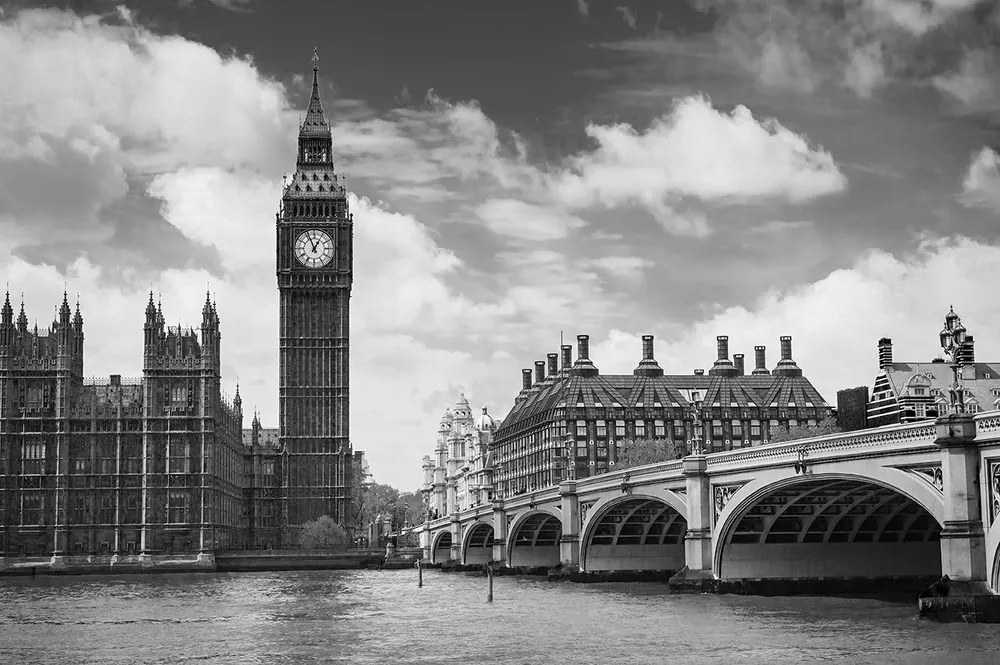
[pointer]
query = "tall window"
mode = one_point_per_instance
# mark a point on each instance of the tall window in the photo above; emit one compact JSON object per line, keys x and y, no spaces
{"x":679,"y":430}
{"x":179,"y":459}
{"x":716,"y":429}
{"x":31,"y":508}
{"x":581,"y":428}
{"x":177,"y":507}
{"x":755,"y":429}
{"x":602,"y":428}
{"x":640,"y":429}
{"x":659,"y":429}
{"x":619,"y":429}
{"x":737,"y":429}
{"x":33,"y":458}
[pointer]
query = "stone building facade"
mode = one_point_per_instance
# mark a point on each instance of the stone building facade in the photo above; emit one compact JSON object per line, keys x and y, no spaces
{"x":145,"y":466}
{"x":571,"y":421}
{"x":905,"y":392}
{"x":460,"y":474}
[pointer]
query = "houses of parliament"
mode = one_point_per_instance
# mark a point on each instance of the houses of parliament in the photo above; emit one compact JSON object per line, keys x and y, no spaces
{"x":161,"y":465}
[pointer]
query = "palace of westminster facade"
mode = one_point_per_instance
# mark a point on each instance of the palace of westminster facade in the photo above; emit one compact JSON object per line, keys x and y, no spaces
{"x":161,"y":465}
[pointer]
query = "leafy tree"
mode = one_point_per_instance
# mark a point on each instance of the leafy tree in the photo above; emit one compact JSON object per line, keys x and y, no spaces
{"x":322,"y":533}
{"x":826,"y":426}
{"x":647,"y":451}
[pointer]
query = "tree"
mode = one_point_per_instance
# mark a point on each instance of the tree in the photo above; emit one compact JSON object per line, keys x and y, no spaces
{"x":322,"y":533}
{"x":647,"y":451}
{"x":826,"y":426}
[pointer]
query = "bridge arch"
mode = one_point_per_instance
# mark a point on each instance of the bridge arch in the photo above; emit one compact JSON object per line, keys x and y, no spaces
{"x":880,"y":523}
{"x":441,"y":547}
{"x":634,"y":532}
{"x":477,"y":546}
{"x":533,"y":539}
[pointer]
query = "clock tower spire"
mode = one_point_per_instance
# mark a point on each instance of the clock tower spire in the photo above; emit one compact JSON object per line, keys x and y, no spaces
{"x":315,"y":273}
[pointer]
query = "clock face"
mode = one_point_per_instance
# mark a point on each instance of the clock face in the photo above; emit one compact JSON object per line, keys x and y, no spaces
{"x":314,"y":248}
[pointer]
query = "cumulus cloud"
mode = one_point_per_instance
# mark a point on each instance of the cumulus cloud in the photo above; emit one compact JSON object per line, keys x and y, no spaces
{"x":981,"y":186}
{"x":835,"y":322}
{"x":629,"y":268}
{"x":697,"y":152}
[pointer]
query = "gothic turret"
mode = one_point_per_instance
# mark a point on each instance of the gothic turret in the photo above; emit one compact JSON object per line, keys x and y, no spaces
{"x":22,"y":320}
{"x":6,"y":323}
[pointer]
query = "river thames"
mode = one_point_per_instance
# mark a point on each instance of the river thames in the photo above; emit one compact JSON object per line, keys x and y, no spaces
{"x":382,"y":617}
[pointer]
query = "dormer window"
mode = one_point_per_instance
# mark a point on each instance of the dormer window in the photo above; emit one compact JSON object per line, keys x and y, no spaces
{"x":305,"y":177}
{"x":315,"y":177}
{"x":918,"y":391}
{"x":308,"y":188}
{"x":326,"y":177}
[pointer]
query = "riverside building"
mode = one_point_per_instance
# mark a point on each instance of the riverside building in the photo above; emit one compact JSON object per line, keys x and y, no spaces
{"x":570,"y":421}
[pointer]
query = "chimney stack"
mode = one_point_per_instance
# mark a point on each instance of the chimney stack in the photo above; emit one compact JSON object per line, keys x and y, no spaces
{"x":539,"y":371}
{"x":786,"y":366}
{"x":567,"y":358}
{"x":761,"y":360}
{"x":648,"y":365}
{"x":968,"y":352}
{"x":583,"y":366}
{"x":525,"y":379}
{"x":722,"y":345}
{"x":723,"y":366}
{"x":699,"y":372}
{"x":738,"y":362}
{"x":884,"y":353}
{"x":553,"y":363}
{"x":786,"y":347}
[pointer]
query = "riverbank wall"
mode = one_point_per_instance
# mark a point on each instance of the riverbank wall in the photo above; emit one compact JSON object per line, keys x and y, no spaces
{"x":236,"y":561}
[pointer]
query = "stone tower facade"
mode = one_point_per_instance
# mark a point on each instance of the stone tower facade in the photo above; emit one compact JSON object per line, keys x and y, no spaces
{"x":314,"y":269}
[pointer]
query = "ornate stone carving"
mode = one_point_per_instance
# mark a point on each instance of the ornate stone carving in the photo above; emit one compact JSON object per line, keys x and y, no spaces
{"x":722,"y":495}
{"x":930,"y":473}
{"x":994,"y":490}
{"x":584,"y":508}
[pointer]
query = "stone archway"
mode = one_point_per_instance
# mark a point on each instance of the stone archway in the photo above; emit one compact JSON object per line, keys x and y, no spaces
{"x":634,"y":533}
{"x":441,"y":551}
{"x":478,"y":546}
{"x":827,"y":526}
{"x":534,"y":541}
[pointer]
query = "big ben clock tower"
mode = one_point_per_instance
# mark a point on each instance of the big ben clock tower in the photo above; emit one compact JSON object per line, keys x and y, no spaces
{"x":315,"y":263}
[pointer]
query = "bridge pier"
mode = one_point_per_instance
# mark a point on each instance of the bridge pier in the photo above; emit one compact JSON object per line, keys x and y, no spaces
{"x":963,"y":593}
{"x":425,"y":543}
{"x":697,"y":573}
{"x":499,"y":533}
{"x":456,"y":538}
{"x":569,"y":541}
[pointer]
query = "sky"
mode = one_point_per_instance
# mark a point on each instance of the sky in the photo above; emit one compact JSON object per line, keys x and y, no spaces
{"x":520,"y":171}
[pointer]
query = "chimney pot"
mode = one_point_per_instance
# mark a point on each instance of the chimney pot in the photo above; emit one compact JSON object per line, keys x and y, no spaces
{"x":738,"y":362}
{"x":786,"y":347}
{"x":583,"y":347}
{"x":539,"y":371}
{"x":760,"y":360}
{"x":722,"y":345}
{"x":567,"y":356}
{"x":525,"y":379}
{"x":699,"y":372}
{"x":884,"y":353}
{"x":553,"y":363}
{"x":647,"y":347}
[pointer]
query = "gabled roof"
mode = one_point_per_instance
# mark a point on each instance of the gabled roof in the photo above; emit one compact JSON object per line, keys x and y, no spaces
{"x":987,"y":378}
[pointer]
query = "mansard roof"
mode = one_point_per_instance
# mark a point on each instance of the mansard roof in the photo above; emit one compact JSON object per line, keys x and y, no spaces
{"x":985,"y":387}
{"x":667,"y":391}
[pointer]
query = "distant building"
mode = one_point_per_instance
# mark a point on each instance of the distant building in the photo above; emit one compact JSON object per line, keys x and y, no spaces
{"x":460,"y":475}
{"x":144,"y":466}
{"x":910,"y":391}
{"x":263,"y":491}
{"x":852,"y":408}
{"x":572,"y":421}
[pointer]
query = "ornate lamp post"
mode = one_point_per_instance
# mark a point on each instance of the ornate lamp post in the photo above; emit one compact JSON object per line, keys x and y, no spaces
{"x":698,"y":444}
{"x":952,"y":342}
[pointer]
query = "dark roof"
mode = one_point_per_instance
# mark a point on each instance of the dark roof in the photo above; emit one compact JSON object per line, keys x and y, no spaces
{"x":627,"y":391}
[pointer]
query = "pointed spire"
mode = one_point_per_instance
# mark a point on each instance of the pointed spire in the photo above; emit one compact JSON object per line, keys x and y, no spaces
{"x":77,"y":317}
{"x":150,"y":308}
{"x":22,"y":318}
{"x":64,"y":311}
{"x":8,"y":311}
{"x":315,"y":122}
{"x":237,"y":400}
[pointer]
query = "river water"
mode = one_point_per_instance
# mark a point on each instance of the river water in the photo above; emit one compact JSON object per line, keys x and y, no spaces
{"x":382,"y":617}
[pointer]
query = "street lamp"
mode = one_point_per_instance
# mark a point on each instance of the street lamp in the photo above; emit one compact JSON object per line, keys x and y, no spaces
{"x":952,"y":342}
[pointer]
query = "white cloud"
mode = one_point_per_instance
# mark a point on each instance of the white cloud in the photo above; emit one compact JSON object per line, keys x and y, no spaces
{"x":918,"y":18}
{"x":865,"y":69}
{"x":974,"y":83}
{"x":629,"y":268}
{"x":583,"y":7}
{"x":628,"y":16}
{"x":981,"y":186}
{"x":836,"y":321}
{"x":697,"y":152}
{"x":528,"y":222}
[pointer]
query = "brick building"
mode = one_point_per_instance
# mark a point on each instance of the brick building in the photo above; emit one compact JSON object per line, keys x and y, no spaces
{"x":572,"y":421}
{"x":905,"y":392}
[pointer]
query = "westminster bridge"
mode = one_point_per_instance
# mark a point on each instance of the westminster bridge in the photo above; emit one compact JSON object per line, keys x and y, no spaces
{"x":901,"y":501}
